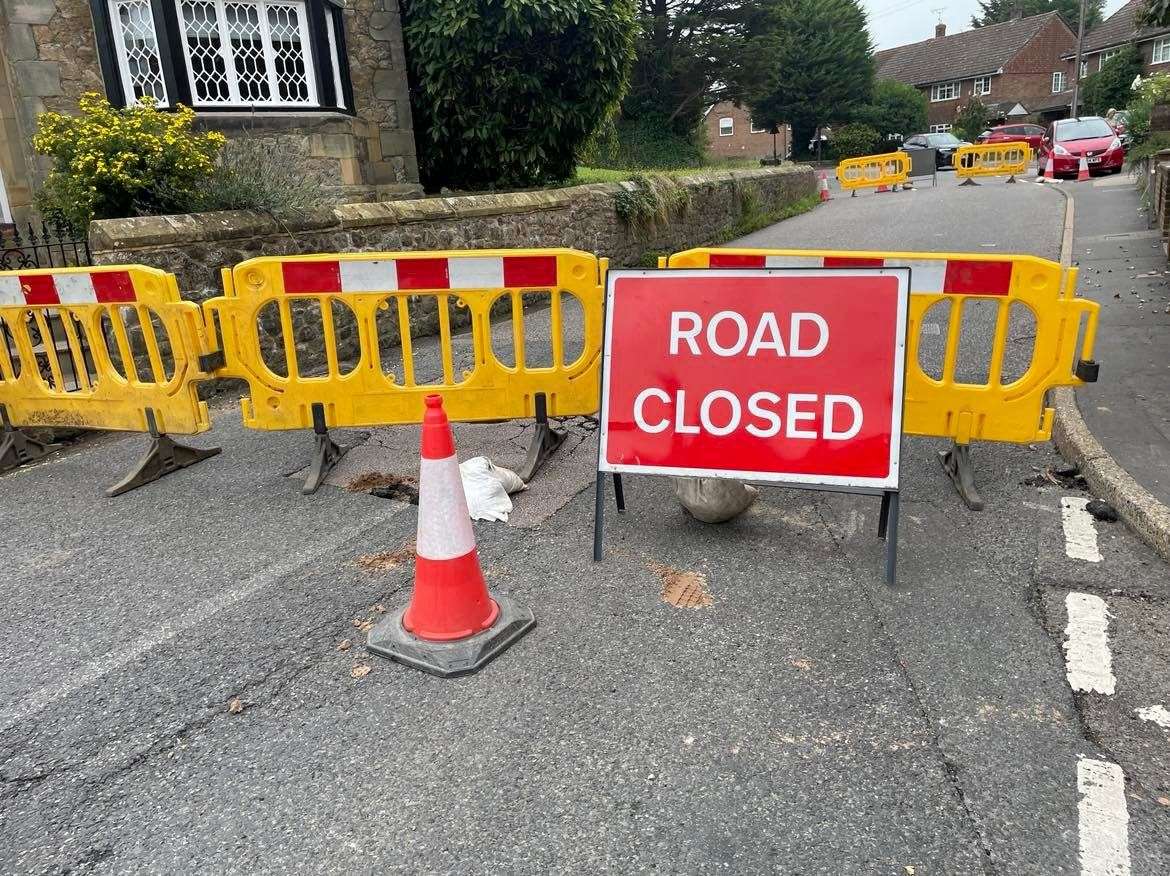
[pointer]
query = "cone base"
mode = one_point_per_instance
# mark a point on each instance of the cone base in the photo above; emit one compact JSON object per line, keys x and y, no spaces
{"x":446,"y":659}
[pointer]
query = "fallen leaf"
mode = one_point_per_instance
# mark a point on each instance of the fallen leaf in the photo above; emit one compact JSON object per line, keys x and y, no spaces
{"x":379,"y":608}
{"x":344,"y":645}
{"x":360,"y":671}
{"x":802,"y":665}
{"x":388,"y":560}
{"x":909,"y":870}
{"x":1165,"y":801}
{"x":235,"y":706}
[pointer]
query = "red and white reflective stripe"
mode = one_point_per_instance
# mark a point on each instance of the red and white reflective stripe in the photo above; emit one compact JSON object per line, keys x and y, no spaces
{"x":444,"y":526}
{"x":97,"y":287}
{"x":951,"y":276}
{"x":393,"y":275}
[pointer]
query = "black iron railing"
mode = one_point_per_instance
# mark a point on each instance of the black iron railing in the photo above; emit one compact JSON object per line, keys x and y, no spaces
{"x":41,"y":245}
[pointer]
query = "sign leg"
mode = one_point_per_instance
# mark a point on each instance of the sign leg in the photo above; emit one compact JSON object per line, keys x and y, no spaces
{"x":884,"y":514}
{"x":892,"y":538}
{"x":619,"y":494}
{"x":599,"y":517}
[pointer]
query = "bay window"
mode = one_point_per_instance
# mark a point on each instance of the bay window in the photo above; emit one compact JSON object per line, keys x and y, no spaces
{"x":224,"y":54}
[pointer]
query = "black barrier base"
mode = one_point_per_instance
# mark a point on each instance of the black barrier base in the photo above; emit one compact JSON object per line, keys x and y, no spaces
{"x":544,"y":441}
{"x":1011,"y":179}
{"x":446,"y":659}
{"x":16,"y":448}
{"x":969,"y":181}
{"x":326,"y":452}
{"x":162,"y":457}
{"x":956,"y":462}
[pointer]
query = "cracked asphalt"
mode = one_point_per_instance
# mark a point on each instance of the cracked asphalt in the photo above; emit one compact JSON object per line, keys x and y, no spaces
{"x":810,"y":720}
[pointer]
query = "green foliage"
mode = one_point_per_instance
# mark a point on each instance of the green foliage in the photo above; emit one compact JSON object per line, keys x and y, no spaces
{"x":854,"y":139}
{"x":254,"y":174}
{"x":1155,"y":13}
{"x":971,"y":120}
{"x":1110,"y":87}
{"x":652,"y":198}
{"x":754,"y":217}
{"x":996,"y":11}
{"x":1153,"y":90}
{"x":895,"y":108}
{"x":811,"y":62}
{"x":108,"y":163}
{"x":504,"y":93}
{"x":649,"y":142}
{"x":1140,"y":159}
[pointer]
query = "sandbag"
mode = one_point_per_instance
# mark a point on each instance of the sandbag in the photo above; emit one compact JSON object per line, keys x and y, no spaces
{"x":714,"y":500}
{"x":487,"y":486}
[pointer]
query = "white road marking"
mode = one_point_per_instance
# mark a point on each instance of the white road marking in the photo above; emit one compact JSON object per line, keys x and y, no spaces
{"x":44,"y":697}
{"x":1036,"y":506}
{"x":1160,"y":715}
{"x":1103,"y":819}
{"x":1088,"y":662}
{"x":1080,"y":533}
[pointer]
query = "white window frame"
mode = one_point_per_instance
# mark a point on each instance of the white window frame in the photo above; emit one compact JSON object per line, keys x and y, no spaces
{"x":1105,"y":56}
{"x":1160,"y":52}
{"x":730,"y":126}
{"x":752,"y":127}
{"x":945,"y":91}
{"x":334,"y":57}
{"x":234,"y":98}
{"x":1084,"y":69}
{"x":981,"y":86}
{"x":124,"y":60}
{"x":5,"y":207}
{"x":1057,"y":81}
{"x":940,"y":129}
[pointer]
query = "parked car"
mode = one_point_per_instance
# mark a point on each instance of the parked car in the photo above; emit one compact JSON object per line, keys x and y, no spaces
{"x":944,"y":144}
{"x":1067,"y":140}
{"x":1030,"y":134}
{"x":1119,"y":121}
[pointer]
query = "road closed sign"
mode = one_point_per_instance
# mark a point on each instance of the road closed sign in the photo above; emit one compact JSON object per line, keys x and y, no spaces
{"x":792,"y":376}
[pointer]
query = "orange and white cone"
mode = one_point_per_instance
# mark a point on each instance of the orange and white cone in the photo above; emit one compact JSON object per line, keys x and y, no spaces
{"x":882,"y":188}
{"x":823,"y":185}
{"x":452,"y":625}
{"x":1083,"y":170}
{"x":1050,"y":169}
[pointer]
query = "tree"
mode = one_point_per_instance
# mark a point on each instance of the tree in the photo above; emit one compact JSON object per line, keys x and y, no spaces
{"x":808,"y":62}
{"x":1155,"y":13}
{"x":896,"y":108}
{"x":854,"y":139}
{"x":503,"y":93}
{"x":997,"y":11}
{"x":1110,"y":88}
{"x":971,"y":120}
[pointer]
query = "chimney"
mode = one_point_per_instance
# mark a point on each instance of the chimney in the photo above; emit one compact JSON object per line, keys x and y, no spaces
{"x":940,"y":30}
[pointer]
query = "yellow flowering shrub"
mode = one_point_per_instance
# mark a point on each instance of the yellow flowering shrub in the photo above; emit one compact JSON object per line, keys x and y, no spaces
{"x":109,"y":163}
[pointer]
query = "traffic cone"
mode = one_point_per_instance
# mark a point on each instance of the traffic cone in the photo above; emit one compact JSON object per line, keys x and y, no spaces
{"x":1050,"y":169}
{"x":1083,"y":170}
{"x":823,"y":185}
{"x":452,"y":625}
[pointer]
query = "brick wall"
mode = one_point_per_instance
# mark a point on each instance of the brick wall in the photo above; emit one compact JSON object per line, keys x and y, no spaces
{"x":742,"y":143}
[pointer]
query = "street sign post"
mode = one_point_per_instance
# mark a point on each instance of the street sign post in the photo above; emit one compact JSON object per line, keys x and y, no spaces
{"x":785,"y":376}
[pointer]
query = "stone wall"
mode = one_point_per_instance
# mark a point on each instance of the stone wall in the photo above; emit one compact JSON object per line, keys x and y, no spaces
{"x":585,"y":217}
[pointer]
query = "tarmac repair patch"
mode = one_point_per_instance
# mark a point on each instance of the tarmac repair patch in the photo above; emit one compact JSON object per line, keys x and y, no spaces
{"x":682,"y":588}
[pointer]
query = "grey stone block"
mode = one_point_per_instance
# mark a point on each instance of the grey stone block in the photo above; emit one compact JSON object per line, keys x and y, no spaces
{"x":396,"y":143}
{"x":30,"y":11}
{"x":38,"y":78}
{"x":390,"y":85}
{"x":385,"y":26}
{"x":20,"y":43}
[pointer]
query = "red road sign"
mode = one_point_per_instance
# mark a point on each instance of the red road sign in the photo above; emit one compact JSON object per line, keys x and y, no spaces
{"x":793,"y":376}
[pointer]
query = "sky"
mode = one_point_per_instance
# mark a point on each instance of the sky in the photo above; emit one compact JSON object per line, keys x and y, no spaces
{"x":897,"y":22}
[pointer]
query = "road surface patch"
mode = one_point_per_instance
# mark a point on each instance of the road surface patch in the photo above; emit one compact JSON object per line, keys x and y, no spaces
{"x":683,"y":588}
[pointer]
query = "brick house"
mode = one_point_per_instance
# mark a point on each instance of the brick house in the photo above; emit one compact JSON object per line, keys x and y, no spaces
{"x":731,"y":133}
{"x":327,"y":78}
{"x":1017,"y":67}
{"x":1117,"y":31}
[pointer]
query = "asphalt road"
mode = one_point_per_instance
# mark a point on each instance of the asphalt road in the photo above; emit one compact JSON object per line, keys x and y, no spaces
{"x":809,"y":720}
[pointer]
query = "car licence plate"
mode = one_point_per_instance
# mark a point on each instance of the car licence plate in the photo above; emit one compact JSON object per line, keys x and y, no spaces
{"x":1096,"y":159}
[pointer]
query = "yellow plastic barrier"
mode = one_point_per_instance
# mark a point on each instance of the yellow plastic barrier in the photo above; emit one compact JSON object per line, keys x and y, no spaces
{"x":888,"y":169}
{"x":101,"y":348}
{"x":992,"y":159}
{"x":943,"y":405}
{"x":368,"y":306}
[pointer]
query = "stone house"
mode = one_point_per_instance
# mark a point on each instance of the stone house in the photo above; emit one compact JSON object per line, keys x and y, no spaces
{"x":1016,"y":67}
{"x":731,"y":133}
{"x":1117,"y":31}
{"x":326,"y":76}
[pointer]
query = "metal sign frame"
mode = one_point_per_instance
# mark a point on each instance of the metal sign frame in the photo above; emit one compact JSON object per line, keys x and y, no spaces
{"x":887,"y":488}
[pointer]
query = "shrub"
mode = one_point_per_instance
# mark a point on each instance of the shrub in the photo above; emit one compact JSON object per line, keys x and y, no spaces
{"x":645,"y":143}
{"x":1109,"y":88}
{"x":652,"y":199}
{"x":504,"y":93}
{"x":253,"y":174}
{"x":972,"y":120}
{"x":852,"y":140}
{"x":109,"y":163}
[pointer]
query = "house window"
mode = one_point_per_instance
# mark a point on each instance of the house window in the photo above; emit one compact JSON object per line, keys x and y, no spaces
{"x":1105,"y":56}
{"x":940,"y":129}
{"x":726,"y":126}
{"x":1161,"y":53}
{"x":944,"y":91}
{"x":757,"y":129}
{"x":1057,"y":81}
{"x":224,"y":54}
{"x":982,"y":86}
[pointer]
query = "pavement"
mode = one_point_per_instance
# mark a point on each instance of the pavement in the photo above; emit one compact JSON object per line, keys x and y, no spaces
{"x":179,"y":690}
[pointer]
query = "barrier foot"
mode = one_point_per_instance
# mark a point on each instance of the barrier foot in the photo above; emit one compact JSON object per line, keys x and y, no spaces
{"x":1011,"y":179}
{"x":854,"y":194}
{"x":16,"y":448}
{"x":969,"y":181}
{"x":544,"y":442}
{"x":163,"y":456}
{"x":326,"y":452}
{"x":956,"y":462}
{"x":888,"y":530}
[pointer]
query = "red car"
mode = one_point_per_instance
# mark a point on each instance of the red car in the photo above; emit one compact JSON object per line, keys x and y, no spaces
{"x":1030,"y":134}
{"x":1068,"y":139}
